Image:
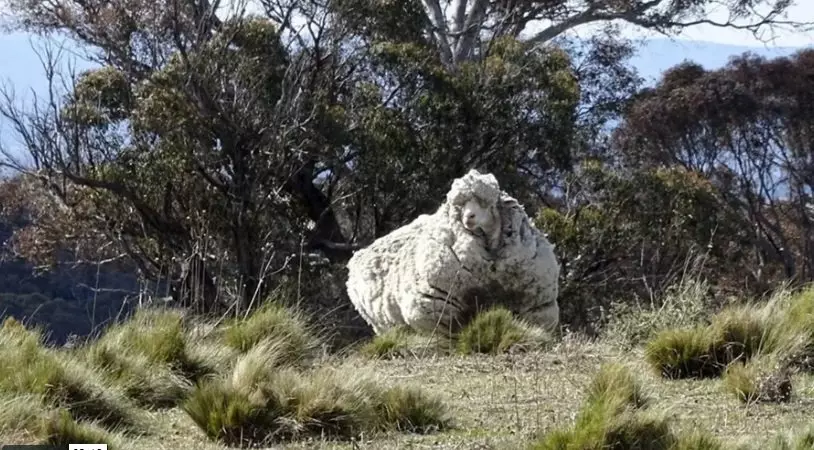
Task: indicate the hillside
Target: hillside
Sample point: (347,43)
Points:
(67,300)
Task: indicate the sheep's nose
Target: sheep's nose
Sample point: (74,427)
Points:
(470,216)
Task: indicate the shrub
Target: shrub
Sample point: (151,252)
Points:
(275,321)
(495,331)
(29,368)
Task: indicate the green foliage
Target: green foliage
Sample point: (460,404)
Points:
(20,411)
(273,321)
(740,333)
(29,368)
(412,410)
(149,383)
(697,440)
(793,332)
(735,334)
(101,97)
(225,415)
(606,234)
(496,330)
(779,330)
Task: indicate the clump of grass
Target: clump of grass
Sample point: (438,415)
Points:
(19,412)
(227,415)
(615,415)
(157,334)
(30,368)
(759,380)
(683,305)
(704,351)
(59,429)
(496,331)
(409,409)
(265,400)
(275,321)
(684,353)
(739,333)
(795,328)
(150,384)
(615,380)
(391,344)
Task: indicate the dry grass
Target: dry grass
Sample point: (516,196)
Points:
(504,400)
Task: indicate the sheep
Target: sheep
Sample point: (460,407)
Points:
(435,272)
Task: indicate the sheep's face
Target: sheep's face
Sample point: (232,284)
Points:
(476,217)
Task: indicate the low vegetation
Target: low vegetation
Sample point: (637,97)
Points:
(260,380)
(781,330)
(615,415)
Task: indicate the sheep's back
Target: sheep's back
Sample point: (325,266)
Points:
(379,272)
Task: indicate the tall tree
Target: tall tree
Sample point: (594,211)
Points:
(747,127)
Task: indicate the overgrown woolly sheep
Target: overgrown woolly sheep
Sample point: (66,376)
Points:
(479,248)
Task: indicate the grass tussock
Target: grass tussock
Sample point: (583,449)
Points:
(684,353)
(58,428)
(759,380)
(782,328)
(615,381)
(264,400)
(30,368)
(273,321)
(158,335)
(19,412)
(394,343)
(615,414)
(496,331)
(401,342)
